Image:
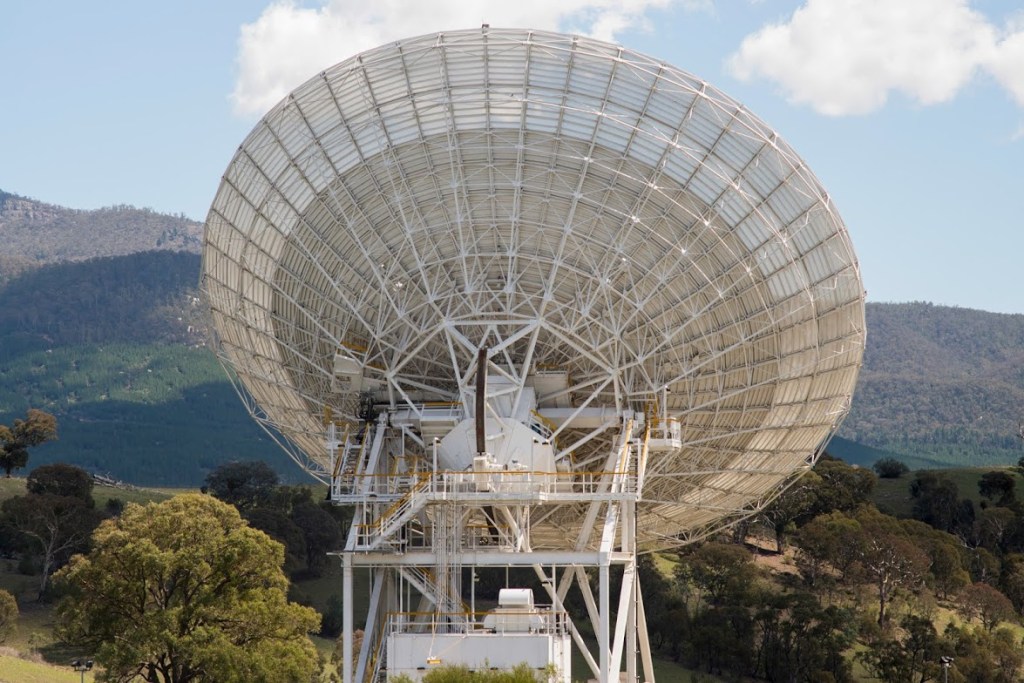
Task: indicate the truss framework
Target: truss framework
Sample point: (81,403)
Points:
(417,530)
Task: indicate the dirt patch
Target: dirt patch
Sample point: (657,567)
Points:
(765,556)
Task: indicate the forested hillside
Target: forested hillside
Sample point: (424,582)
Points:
(37,232)
(116,348)
(941,386)
(145,297)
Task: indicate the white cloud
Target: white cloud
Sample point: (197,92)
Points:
(288,44)
(1008,64)
(846,56)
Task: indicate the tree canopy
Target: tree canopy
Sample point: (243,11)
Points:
(831,485)
(185,591)
(37,427)
(243,484)
(998,486)
(49,526)
(890,468)
(726,616)
(61,479)
(308,528)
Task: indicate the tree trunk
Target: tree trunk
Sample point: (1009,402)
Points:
(882,598)
(44,580)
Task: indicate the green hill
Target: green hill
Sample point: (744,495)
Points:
(116,348)
(941,386)
(148,297)
(154,414)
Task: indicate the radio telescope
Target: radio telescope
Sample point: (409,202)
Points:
(528,299)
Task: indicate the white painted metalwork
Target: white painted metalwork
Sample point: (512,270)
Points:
(668,303)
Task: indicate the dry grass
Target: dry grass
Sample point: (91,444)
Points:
(15,486)
(11,487)
(16,668)
(101,494)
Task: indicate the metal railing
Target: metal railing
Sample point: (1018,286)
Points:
(545,620)
(483,487)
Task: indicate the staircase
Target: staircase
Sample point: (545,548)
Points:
(347,451)
(371,536)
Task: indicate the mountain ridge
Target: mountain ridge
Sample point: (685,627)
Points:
(34,232)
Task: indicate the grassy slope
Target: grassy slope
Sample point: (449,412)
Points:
(859,454)
(15,486)
(10,487)
(14,669)
(893,495)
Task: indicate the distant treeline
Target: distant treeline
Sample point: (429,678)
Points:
(46,233)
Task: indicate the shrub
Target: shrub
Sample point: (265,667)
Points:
(890,468)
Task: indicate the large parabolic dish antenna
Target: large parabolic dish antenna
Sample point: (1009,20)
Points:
(620,234)
(520,297)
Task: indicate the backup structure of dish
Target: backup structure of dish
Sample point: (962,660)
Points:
(525,299)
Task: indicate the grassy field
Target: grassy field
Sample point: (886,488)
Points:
(14,669)
(33,653)
(23,588)
(15,486)
(893,495)
(11,487)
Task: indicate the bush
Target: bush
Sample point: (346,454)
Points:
(521,673)
(332,618)
(61,479)
(114,507)
(890,468)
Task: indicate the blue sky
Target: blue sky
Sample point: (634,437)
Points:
(911,112)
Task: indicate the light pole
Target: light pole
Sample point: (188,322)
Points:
(81,666)
(945,661)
